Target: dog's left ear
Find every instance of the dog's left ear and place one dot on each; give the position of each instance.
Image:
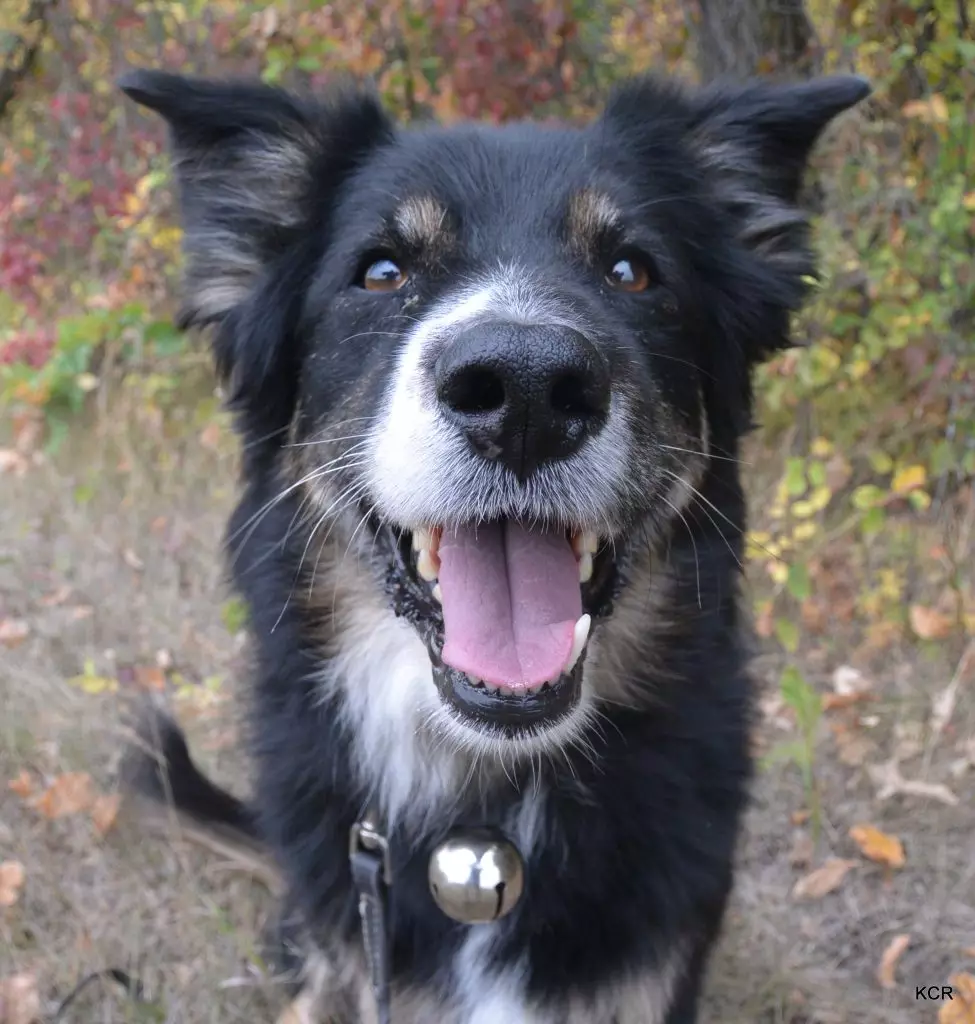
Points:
(764, 132)
(750, 144)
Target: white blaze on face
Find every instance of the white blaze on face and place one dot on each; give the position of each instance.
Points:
(421, 471)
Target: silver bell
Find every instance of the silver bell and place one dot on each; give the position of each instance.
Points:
(476, 877)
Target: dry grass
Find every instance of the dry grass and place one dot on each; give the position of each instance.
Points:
(190, 928)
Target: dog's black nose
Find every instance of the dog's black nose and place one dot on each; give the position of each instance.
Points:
(524, 395)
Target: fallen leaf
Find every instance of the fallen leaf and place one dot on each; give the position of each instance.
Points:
(852, 746)
(960, 1009)
(888, 962)
(878, 846)
(13, 632)
(968, 951)
(23, 786)
(848, 681)
(929, 623)
(20, 1002)
(800, 817)
(58, 597)
(132, 560)
(210, 436)
(150, 677)
(839, 701)
(802, 850)
(104, 811)
(12, 876)
(91, 682)
(68, 794)
(12, 462)
(823, 880)
(889, 782)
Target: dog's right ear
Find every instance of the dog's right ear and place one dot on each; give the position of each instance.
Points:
(255, 168)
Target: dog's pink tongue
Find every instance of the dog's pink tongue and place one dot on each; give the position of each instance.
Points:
(511, 599)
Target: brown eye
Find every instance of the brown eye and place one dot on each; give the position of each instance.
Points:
(384, 276)
(629, 276)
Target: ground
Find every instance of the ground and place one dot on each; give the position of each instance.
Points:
(109, 554)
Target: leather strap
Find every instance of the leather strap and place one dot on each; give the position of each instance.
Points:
(369, 861)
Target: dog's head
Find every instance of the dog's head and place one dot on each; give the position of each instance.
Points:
(504, 355)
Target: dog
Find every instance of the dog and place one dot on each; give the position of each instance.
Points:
(492, 384)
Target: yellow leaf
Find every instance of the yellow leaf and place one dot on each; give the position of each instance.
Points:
(909, 478)
(968, 201)
(820, 498)
(932, 111)
(805, 530)
(803, 509)
(779, 572)
(960, 1009)
(929, 623)
(888, 962)
(878, 846)
(859, 368)
(818, 883)
(12, 876)
(93, 684)
(822, 448)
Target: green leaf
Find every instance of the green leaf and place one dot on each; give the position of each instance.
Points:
(801, 697)
(817, 474)
(867, 496)
(788, 750)
(795, 477)
(798, 583)
(165, 338)
(787, 633)
(233, 614)
(873, 521)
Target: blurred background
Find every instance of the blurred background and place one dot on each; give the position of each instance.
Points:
(117, 469)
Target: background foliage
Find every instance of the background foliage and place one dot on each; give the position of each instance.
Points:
(874, 417)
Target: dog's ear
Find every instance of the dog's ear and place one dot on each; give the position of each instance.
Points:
(255, 169)
(751, 143)
(754, 142)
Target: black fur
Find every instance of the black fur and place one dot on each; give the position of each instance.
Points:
(635, 851)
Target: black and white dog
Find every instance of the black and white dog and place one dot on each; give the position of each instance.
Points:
(492, 384)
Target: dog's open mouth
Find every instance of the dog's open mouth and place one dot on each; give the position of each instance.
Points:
(506, 611)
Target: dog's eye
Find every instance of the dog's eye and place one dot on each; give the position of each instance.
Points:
(384, 276)
(629, 275)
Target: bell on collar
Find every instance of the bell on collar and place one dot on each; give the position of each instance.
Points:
(476, 876)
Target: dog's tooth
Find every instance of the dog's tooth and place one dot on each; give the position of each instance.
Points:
(580, 635)
(426, 566)
(585, 567)
(437, 594)
(422, 539)
(474, 679)
(506, 691)
(584, 542)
